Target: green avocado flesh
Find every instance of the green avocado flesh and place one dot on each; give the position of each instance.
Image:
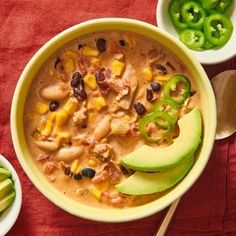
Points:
(4, 174)
(7, 200)
(153, 159)
(146, 183)
(5, 187)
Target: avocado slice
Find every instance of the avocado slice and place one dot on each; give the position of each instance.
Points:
(7, 201)
(153, 159)
(146, 183)
(4, 173)
(5, 187)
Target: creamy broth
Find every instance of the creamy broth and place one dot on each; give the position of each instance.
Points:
(101, 123)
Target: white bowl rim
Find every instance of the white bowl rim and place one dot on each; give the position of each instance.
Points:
(203, 60)
(15, 208)
(128, 214)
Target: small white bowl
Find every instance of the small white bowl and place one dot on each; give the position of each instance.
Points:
(212, 56)
(9, 216)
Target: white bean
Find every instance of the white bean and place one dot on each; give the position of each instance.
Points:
(69, 153)
(103, 128)
(55, 92)
(47, 145)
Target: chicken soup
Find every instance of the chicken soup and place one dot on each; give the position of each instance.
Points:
(112, 119)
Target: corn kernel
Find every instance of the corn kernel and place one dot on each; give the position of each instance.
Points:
(75, 167)
(95, 61)
(61, 118)
(71, 106)
(163, 78)
(47, 129)
(96, 192)
(89, 52)
(103, 186)
(62, 137)
(117, 67)
(91, 117)
(70, 54)
(69, 65)
(41, 108)
(90, 80)
(92, 163)
(147, 74)
(52, 116)
(100, 103)
(127, 117)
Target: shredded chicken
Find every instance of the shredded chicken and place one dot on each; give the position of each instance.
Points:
(49, 168)
(110, 172)
(103, 150)
(80, 116)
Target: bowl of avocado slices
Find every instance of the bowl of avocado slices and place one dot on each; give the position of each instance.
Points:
(10, 195)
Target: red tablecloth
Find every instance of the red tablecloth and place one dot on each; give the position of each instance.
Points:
(209, 208)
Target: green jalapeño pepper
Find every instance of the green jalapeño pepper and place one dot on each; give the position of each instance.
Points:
(177, 89)
(216, 5)
(175, 14)
(160, 134)
(168, 106)
(209, 4)
(193, 14)
(223, 5)
(218, 29)
(192, 38)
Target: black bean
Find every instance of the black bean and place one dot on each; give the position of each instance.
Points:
(101, 45)
(139, 108)
(53, 105)
(80, 46)
(78, 177)
(99, 76)
(161, 68)
(88, 173)
(76, 79)
(80, 94)
(155, 86)
(192, 93)
(122, 43)
(149, 95)
(67, 171)
(83, 126)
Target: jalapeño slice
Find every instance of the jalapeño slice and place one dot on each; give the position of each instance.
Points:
(192, 38)
(218, 29)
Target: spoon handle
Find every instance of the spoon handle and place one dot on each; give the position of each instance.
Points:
(166, 221)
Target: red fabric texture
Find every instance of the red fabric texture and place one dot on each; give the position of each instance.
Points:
(209, 208)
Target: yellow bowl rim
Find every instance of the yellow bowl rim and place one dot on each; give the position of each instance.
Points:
(127, 214)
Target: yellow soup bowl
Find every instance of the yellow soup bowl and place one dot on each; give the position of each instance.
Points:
(29, 165)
